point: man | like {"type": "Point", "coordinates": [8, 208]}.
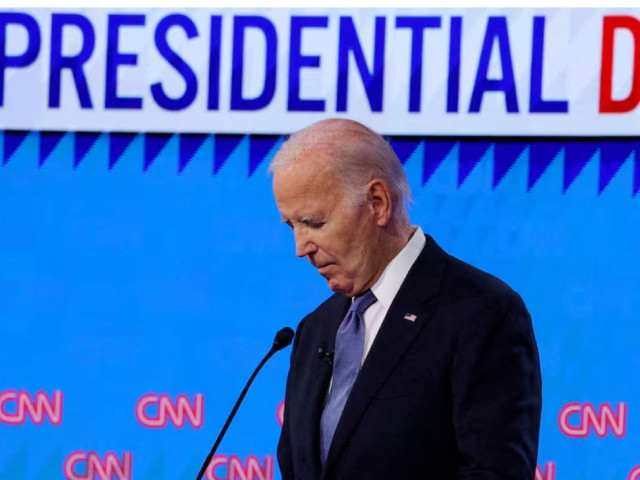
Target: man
{"type": "Point", "coordinates": [420, 366]}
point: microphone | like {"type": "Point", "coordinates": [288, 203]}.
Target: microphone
{"type": "Point", "coordinates": [326, 356]}
{"type": "Point", "coordinates": [282, 340]}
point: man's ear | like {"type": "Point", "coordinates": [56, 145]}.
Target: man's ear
{"type": "Point", "coordinates": [379, 197]}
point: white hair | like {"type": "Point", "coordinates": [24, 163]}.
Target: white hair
{"type": "Point", "coordinates": [358, 154]}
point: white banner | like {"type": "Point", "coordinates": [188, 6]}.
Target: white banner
{"type": "Point", "coordinates": [402, 72]}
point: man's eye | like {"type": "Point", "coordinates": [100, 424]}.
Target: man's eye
{"type": "Point", "coordinates": [315, 225]}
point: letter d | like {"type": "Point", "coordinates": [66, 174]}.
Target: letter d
{"type": "Point", "coordinates": [609, 26]}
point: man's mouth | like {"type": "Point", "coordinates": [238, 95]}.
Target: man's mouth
{"type": "Point", "coordinates": [323, 268]}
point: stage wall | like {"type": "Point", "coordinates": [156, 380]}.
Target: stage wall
{"type": "Point", "coordinates": [144, 269]}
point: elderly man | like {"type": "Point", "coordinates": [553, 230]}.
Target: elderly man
{"type": "Point", "coordinates": [420, 366]}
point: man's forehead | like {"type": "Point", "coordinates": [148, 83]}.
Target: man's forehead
{"type": "Point", "coordinates": [304, 177]}
{"type": "Point", "coordinates": [305, 203]}
{"type": "Point", "coordinates": [310, 206]}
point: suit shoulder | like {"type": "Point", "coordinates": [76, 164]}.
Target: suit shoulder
{"type": "Point", "coordinates": [335, 301]}
{"type": "Point", "coordinates": [462, 281]}
{"type": "Point", "coordinates": [327, 309]}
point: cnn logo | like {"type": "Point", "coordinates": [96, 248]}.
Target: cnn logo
{"type": "Point", "coordinates": [548, 473]}
{"type": "Point", "coordinates": [577, 420]}
{"type": "Point", "coordinates": [231, 467]}
{"type": "Point", "coordinates": [88, 465]}
{"type": "Point", "coordinates": [17, 406]}
{"type": "Point", "coordinates": [154, 411]}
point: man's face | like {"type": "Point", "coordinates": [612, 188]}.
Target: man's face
{"type": "Point", "coordinates": [337, 237]}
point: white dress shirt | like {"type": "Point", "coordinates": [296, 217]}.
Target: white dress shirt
{"type": "Point", "coordinates": [387, 286]}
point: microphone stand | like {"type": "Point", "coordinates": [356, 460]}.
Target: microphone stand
{"type": "Point", "coordinates": [282, 340]}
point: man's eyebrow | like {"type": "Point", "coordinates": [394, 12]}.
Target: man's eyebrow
{"type": "Point", "coordinates": [312, 219]}
{"type": "Point", "coordinates": [304, 219]}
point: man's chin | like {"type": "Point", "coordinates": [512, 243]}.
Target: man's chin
{"type": "Point", "coordinates": [338, 287]}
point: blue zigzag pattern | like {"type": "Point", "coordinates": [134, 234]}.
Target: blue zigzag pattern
{"type": "Point", "coordinates": [574, 153]}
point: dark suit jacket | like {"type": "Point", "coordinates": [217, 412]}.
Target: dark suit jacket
{"type": "Point", "coordinates": [455, 394]}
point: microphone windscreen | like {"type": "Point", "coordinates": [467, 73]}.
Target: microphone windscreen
{"type": "Point", "coordinates": [283, 338]}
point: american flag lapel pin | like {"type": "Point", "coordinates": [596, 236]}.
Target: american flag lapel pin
{"type": "Point", "coordinates": [411, 317]}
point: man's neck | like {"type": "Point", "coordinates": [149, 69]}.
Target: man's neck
{"type": "Point", "coordinates": [390, 245]}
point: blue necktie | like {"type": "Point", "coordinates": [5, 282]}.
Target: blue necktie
{"type": "Point", "coordinates": [346, 364]}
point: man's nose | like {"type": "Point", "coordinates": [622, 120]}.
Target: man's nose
{"type": "Point", "coordinates": [304, 245]}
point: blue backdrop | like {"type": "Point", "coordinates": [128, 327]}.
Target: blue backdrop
{"type": "Point", "coordinates": [133, 264]}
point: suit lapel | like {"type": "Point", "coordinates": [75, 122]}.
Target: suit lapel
{"type": "Point", "coordinates": [314, 389]}
{"type": "Point", "coordinates": [395, 336]}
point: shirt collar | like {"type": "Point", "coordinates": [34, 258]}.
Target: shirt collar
{"type": "Point", "coordinates": [387, 286]}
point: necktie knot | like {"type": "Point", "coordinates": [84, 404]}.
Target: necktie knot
{"type": "Point", "coordinates": [362, 302]}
